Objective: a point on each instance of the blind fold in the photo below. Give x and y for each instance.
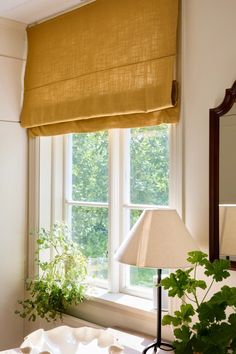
(109, 64)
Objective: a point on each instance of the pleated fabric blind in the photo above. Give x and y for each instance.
(109, 64)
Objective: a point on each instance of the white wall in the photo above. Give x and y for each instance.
(13, 183)
(209, 67)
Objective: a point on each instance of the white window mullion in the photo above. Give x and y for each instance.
(125, 193)
(87, 204)
(45, 189)
(57, 179)
(114, 209)
(175, 168)
(34, 201)
(144, 206)
(67, 178)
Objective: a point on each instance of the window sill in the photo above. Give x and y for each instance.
(121, 301)
(119, 310)
(109, 309)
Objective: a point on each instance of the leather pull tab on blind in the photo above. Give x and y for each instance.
(174, 92)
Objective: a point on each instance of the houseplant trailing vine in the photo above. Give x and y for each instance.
(60, 282)
(202, 324)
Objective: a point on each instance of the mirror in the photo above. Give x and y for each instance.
(222, 188)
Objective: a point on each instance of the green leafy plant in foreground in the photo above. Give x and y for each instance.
(202, 325)
(60, 282)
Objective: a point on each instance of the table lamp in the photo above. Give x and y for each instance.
(159, 239)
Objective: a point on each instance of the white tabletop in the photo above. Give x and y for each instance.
(135, 343)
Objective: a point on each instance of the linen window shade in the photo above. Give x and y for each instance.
(109, 64)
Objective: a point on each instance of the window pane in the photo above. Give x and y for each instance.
(149, 165)
(90, 167)
(90, 230)
(141, 277)
(134, 215)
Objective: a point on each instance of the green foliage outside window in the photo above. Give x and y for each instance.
(90, 167)
(90, 231)
(149, 184)
(90, 183)
(149, 155)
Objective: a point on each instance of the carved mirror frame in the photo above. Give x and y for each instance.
(214, 154)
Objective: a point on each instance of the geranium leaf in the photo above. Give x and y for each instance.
(168, 320)
(210, 312)
(183, 333)
(197, 257)
(218, 269)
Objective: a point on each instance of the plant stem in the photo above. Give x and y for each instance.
(207, 291)
(190, 298)
(195, 297)
(195, 271)
(194, 292)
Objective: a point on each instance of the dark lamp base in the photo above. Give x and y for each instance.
(164, 346)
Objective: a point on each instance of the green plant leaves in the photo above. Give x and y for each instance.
(183, 343)
(213, 329)
(183, 316)
(61, 280)
(183, 333)
(186, 312)
(180, 283)
(218, 269)
(209, 312)
(197, 258)
(177, 282)
(225, 295)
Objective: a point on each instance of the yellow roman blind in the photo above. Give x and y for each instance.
(109, 64)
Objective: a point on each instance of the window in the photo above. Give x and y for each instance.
(111, 177)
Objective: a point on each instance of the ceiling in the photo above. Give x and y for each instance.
(30, 11)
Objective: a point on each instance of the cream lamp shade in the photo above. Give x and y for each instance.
(227, 230)
(159, 239)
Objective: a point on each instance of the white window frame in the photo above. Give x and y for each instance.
(118, 205)
(46, 205)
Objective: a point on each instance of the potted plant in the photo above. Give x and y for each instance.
(203, 324)
(60, 281)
